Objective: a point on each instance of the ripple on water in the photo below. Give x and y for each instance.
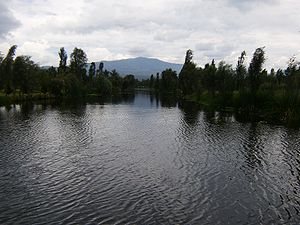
(127, 164)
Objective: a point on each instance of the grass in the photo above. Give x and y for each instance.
(18, 97)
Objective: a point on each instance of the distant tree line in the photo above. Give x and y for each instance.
(21, 76)
(273, 95)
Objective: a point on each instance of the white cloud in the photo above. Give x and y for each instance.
(165, 29)
(8, 21)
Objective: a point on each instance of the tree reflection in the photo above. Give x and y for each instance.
(253, 147)
(190, 112)
(168, 100)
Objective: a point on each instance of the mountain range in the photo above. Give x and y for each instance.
(140, 67)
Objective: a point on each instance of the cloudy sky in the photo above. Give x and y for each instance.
(164, 29)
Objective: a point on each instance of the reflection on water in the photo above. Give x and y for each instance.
(144, 159)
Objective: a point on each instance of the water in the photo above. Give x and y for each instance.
(144, 161)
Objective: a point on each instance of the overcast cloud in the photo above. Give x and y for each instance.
(165, 29)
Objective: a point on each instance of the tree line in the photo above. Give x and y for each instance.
(250, 90)
(21, 76)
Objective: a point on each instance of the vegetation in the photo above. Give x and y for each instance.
(253, 93)
(22, 79)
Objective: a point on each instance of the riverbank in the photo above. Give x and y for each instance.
(7, 100)
(19, 98)
(277, 108)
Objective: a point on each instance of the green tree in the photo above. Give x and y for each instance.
(188, 56)
(78, 63)
(151, 84)
(73, 87)
(241, 71)
(101, 66)
(188, 76)
(52, 72)
(63, 60)
(280, 76)
(169, 81)
(56, 86)
(116, 81)
(224, 78)
(103, 86)
(24, 70)
(92, 70)
(255, 69)
(1, 70)
(292, 75)
(7, 69)
(156, 84)
(209, 77)
(128, 84)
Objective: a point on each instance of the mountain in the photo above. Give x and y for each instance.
(140, 67)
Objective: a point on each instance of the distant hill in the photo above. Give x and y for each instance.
(141, 67)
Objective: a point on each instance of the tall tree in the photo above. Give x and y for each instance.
(156, 84)
(255, 69)
(188, 56)
(7, 65)
(151, 81)
(23, 73)
(101, 66)
(92, 70)
(188, 79)
(78, 63)
(241, 71)
(128, 84)
(63, 60)
(1, 70)
(116, 81)
(169, 81)
(209, 77)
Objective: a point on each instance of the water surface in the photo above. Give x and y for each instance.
(141, 160)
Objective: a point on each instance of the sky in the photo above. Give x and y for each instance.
(164, 29)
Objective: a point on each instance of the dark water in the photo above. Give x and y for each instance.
(143, 161)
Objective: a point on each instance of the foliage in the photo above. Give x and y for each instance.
(253, 92)
(128, 83)
(63, 60)
(169, 80)
(273, 95)
(103, 86)
(78, 63)
(92, 70)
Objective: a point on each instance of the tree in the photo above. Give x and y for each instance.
(23, 73)
(209, 77)
(63, 60)
(92, 70)
(101, 66)
(241, 71)
(151, 85)
(292, 75)
(7, 66)
(52, 72)
(255, 69)
(128, 84)
(169, 81)
(78, 63)
(188, 56)
(103, 86)
(72, 86)
(1, 70)
(156, 84)
(188, 77)
(116, 81)
(56, 87)
(292, 66)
